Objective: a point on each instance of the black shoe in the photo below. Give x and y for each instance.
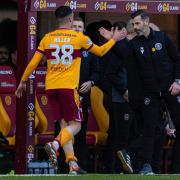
(146, 170)
(126, 161)
(75, 170)
(3, 140)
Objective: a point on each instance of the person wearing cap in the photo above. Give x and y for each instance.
(62, 49)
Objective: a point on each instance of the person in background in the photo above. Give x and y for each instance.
(89, 76)
(120, 113)
(4, 55)
(130, 30)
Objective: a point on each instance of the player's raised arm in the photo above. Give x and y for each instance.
(102, 50)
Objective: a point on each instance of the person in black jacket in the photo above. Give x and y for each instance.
(157, 63)
(120, 114)
(89, 76)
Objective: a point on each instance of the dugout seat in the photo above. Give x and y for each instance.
(98, 122)
(7, 103)
(44, 113)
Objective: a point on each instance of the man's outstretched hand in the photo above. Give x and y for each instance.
(105, 33)
(20, 89)
(116, 34)
(174, 89)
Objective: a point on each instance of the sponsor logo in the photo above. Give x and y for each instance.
(166, 7)
(160, 7)
(100, 6)
(31, 106)
(147, 101)
(158, 46)
(153, 49)
(30, 128)
(142, 50)
(51, 5)
(40, 85)
(32, 27)
(30, 154)
(6, 72)
(134, 6)
(31, 116)
(30, 148)
(32, 32)
(30, 157)
(42, 4)
(103, 6)
(131, 6)
(163, 7)
(36, 4)
(40, 72)
(32, 20)
(174, 8)
(126, 117)
(6, 84)
(31, 86)
(75, 5)
(32, 42)
(8, 100)
(85, 53)
(178, 99)
(111, 6)
(89, 42)
(44, 100)
(32, 76)
(71, 4)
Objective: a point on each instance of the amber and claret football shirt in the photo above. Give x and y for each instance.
(62, 49)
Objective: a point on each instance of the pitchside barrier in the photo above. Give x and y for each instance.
(37, 167)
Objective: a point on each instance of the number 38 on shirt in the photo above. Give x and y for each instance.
(62, 54)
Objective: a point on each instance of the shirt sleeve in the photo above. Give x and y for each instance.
(41, 47)
(86, 42)
(32, 65)
(93, 48)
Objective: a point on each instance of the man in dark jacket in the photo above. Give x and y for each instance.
(120, 116)
(157, 63)
(89, 76)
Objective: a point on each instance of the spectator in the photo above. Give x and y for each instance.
(4, 55)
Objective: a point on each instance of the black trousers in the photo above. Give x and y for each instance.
(150, 112)
(118, 133)
(121, 118)
(80, 146)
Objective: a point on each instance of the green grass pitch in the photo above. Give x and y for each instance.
(92, 177)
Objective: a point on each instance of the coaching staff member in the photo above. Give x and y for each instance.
(158, 63)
